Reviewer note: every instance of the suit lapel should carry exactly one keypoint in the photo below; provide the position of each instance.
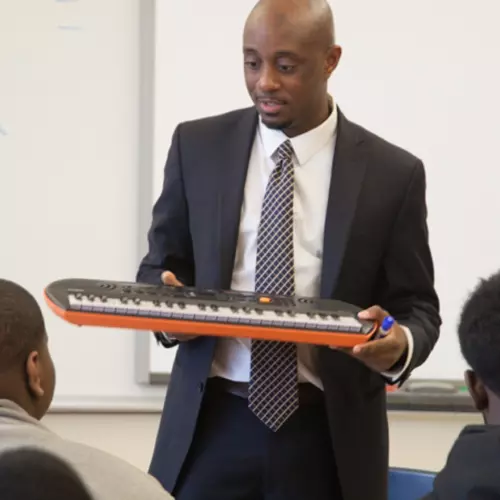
(234, 159)
(347, 177)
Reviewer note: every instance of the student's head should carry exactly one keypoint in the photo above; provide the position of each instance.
(27, 374)
(289, 54)
(479, 336)
(32, 474)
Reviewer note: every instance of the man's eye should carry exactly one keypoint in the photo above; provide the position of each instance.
(251, 64)
(286, 68)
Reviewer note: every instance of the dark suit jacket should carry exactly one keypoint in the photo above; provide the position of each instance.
(375, 252)
(471, 470)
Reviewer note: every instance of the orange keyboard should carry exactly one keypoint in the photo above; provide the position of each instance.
(188, 310)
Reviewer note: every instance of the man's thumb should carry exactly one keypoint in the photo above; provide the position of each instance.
(169, 278)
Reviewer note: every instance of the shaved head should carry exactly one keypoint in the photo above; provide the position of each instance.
(290, 53)
(311, 19)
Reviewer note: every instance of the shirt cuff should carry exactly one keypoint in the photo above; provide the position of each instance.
(393, 376)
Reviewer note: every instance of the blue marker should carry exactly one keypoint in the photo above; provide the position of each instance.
(386, 326)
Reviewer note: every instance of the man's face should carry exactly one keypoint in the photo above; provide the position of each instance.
(286, 74)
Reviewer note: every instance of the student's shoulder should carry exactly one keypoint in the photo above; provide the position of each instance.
(475, 446)
(472, 463)
(103, 471)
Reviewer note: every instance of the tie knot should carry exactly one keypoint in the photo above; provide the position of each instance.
(284, 152)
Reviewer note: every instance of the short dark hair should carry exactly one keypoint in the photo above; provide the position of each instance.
(22, 328)
(479, 331)
(34, 474)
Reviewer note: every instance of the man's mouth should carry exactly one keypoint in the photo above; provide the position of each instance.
(271, 106)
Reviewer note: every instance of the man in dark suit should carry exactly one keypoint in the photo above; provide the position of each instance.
(289, 197)
(471, 471)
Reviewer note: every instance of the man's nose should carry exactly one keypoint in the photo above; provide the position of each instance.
(268, 80)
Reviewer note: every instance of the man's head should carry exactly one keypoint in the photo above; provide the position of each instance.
(34, 474)
(289, 54)
(479, 336)
(27, 374)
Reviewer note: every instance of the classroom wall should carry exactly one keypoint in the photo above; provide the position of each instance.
(419, 440)
(127, 435)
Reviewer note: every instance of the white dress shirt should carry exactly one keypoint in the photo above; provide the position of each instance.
(313, 157)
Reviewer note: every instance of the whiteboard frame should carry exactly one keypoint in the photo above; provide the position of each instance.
(143, 374)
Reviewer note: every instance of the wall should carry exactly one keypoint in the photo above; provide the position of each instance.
(419, 440)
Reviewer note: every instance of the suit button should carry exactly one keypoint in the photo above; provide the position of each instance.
(201, 386)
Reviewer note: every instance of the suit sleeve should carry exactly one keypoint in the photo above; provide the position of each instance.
(169, 238)
(408, 289)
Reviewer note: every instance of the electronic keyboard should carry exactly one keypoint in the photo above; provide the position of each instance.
(194, 311)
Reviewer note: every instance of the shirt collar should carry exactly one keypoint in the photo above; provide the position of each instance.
(306, 145)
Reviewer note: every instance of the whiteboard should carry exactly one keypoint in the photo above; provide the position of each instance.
(69, 167)
(421, 74)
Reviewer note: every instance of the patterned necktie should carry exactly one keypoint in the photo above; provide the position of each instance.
(273, 391)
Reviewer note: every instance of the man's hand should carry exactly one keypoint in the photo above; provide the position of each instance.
(169, 278)
(383, 353)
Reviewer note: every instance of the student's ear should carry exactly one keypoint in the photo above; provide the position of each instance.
(477, 390)
(34, 375)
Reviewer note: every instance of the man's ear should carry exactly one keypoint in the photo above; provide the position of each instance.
(477, 391)
(332, 59)
(34, 375)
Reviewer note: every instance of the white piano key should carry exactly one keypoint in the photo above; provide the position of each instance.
(223, 313)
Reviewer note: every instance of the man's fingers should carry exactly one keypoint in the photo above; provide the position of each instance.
(374, 313)
(373, 348)
(168, 278)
